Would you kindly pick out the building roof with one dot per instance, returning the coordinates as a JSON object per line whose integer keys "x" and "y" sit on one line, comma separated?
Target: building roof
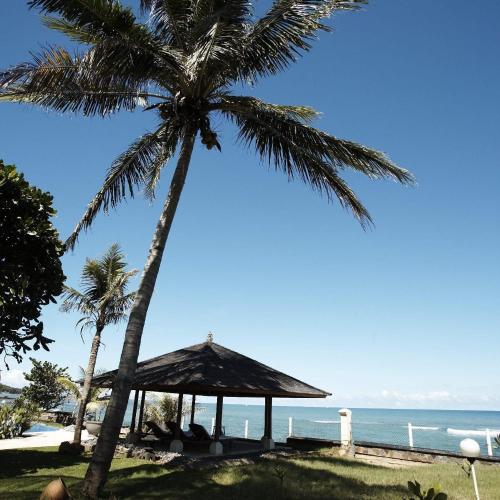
{"x": 210, "y": 369}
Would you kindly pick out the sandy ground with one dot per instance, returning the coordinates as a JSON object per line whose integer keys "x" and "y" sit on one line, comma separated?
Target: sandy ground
{"x": 391, "y": 463}
{"x": 40, "y": 439}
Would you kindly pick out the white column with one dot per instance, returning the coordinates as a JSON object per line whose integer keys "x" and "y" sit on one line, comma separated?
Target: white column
{"x": 246, "y": 429}
{"x": 474, "y": 480}
{"x": 182, "y": 422}
{"x": 410, "y": 434}
{"x": 488, "y": 443}
{"x": 290, "y": 426}
{"x": 345, "y": 428}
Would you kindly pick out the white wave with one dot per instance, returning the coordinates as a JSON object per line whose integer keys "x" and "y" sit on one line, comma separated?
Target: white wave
{"x": 424, "y": 428}
{"x": 326, "y": 421}
{"x": 469, "y": 432}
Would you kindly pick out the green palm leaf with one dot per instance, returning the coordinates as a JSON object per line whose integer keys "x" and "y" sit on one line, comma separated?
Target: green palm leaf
{"x": 138, "y": 165}
{"x": 282, "y": 136}
{"x": 103, "y": 298}
{"x": 284, "y": 32}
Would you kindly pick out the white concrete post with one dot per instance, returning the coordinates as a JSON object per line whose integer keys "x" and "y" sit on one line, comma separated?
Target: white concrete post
{"x": 474, "y": 480}
{"x": 246, "y": 429}
{"x": 410, "y": 434}
{"x": 488, "y": 443}
{"x": 213, "y": 426}
{"x": 290, "y": 426}
{"x": 346, "y": 430}
{"x": 182, "y": 422}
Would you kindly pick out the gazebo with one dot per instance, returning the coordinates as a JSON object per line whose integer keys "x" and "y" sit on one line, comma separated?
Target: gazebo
{"x": 209, "y": 369}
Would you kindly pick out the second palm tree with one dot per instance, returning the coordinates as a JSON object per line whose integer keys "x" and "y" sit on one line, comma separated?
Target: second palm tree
{"x": 103, "y": 301}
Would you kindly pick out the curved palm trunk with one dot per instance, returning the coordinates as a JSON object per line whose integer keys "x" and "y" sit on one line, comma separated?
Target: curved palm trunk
{"x": 101, "y": 460}
{"x": 89, "y": 373}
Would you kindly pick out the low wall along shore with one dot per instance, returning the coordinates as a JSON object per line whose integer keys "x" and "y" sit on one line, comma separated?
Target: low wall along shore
{"x": 401, "y": 453}
{"x": 395, "y": 453}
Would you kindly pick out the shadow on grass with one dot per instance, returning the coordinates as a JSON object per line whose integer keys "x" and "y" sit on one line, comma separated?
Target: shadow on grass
{"x": 24, "y": 473}
{"x": 29, "y": 461}
{"x": 259, "y": 481}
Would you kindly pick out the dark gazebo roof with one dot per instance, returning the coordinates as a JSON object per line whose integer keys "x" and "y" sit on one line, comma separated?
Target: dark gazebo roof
{"x": 210, "y": 369}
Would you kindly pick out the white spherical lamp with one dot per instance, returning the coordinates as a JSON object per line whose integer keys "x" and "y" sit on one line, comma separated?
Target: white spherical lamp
{"x": 470, "y": 448}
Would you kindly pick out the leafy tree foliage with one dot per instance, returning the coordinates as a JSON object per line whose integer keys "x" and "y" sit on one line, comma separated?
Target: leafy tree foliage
{"x": 31, "y": 274}
{"x": 163, "y": 409}
{"x": 17, "y": 418}
{"x": 45, "y": 389}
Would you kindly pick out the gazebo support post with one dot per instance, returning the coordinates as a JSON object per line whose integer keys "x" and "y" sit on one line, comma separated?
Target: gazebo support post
{"x": 193, "y": 404}
{"x": 131, "y": 436}
{"x": 141, "y": 413}
{"x": 216, "y": 445}
{"x": 134, "y": 412}
{"x": 267, "y": 438}
{"x": 176, "y": 445}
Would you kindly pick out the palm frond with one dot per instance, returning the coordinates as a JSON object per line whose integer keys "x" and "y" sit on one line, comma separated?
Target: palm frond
{"x": 117, "y": 310}
{"x": 133, "y": 62}
{"x": 292, "y": 122}
{"x": 282, "y": 137}
{"x": 122, "y": 47}
{"x": 55, "y": 79}
{"x": 106, "y": 16}
{"x": 72, "y": 30}
{"x": 70, "y": 387}
{"x": 169, "y": 140}
{"x": 104, "y": 282}
{"x": 283, "y": 33}
{"x": 127, "y": 173}
{"x": 217, "y": 28}
{"x": 73, "y": 300}
{"x": 170, "y": 19}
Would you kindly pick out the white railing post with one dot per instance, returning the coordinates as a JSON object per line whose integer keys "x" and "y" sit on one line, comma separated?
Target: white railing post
{"x": 246, "y": 429}
{"x": 182, "y": 422}
{"x": 488, "y": 443}
{"x": 346, "y": 443}
{"x": 290, "y": 426}
{"x": 410, "y": 434}
{"x": 213, "y": 426}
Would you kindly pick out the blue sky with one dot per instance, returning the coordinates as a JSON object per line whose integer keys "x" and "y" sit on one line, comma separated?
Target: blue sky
{"x": 403, "y": 315}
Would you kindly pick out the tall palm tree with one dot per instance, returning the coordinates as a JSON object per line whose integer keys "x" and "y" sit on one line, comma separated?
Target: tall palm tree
{"x": 103, "y": 301}
{"x": 184, "y": 64}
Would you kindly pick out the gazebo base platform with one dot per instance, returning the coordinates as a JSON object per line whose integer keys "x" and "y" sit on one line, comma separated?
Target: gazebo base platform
{"x": 162, "y": 453}
{"x": 267, "y": 443}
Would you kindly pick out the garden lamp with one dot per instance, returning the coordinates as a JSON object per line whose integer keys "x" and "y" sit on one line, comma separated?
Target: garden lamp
{"x": 471, "y": 450}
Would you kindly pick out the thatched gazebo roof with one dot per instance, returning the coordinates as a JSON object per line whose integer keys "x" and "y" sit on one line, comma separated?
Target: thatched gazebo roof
{"x": 209, "y": 369}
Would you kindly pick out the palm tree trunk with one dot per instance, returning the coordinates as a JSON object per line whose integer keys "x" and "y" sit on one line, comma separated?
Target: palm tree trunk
{"x": 101, "y": 460}
{"x": 89, "y": 373}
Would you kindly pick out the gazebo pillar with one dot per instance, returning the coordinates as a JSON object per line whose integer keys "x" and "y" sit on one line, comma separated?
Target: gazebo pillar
{"x": 193, "y": 404}
{"x": 216, "y": 445}
{"x": 141, "y": 413}
{"x": 267, "y": 438}
{"x": 132, "y": 437}
{"x": 134, "y": 411}
{"x": 176, "y": 445}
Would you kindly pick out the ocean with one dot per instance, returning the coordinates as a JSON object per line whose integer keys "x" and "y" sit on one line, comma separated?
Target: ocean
{"x": 437, "y": 429}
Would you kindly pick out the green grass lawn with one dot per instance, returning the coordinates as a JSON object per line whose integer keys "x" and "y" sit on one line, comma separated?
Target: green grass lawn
{"x": 24, "y": 473}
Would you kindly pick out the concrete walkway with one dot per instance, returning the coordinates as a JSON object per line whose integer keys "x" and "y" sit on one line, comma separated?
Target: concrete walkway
{"x": 40, "y": 439}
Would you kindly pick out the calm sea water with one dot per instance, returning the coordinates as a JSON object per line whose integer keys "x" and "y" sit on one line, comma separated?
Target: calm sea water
{"x": 438, "y": 429}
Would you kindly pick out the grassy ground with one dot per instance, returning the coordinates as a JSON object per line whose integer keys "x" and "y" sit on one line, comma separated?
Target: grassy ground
{"x": 24, "y": 473}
